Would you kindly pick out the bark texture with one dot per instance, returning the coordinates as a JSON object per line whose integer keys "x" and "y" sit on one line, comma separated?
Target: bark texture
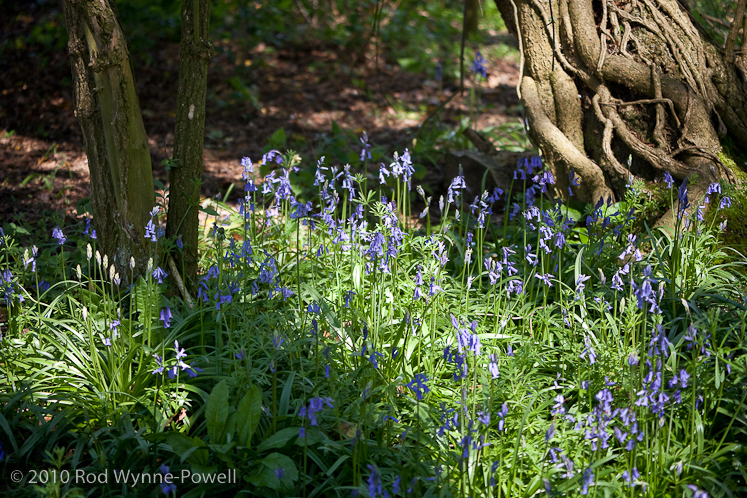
{"x": 185, "y": 176}
{"x": 602, "y": 80}
{"x": 108, "y": 110}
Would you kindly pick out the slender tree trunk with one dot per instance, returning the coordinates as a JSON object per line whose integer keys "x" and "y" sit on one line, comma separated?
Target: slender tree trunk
{"x": 604, "y": 80}
{"x": 185, "y": 176}
{"x": 471, "y": 16}
{"x": 108, "y": 110}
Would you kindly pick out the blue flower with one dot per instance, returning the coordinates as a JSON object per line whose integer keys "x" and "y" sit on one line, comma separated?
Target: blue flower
{"x": 374, "y": 482}
{"x": 57, "y": 234}
{"x": 493, "y": 366}
{"x": 725, "y": 203}
{"x": 478, "y": 65}
{"x": 418, "y": 386}
{"x": 587, "y": 480}
{"x": 166, "y": 317}
{"x": 668, "y": 179}
{"x": 315, "y": 406}
{"x": 159, "y": 274}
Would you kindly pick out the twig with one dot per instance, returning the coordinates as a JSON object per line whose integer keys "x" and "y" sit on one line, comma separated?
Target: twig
{"x": 180, "y": 282}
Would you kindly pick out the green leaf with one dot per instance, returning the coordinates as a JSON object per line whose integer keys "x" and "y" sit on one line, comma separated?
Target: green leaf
{"x": 209, "y": 211}
{"x": 279, "y": 439}
{"x": 247, "y": 419}
{"x": 278, "y": 138}
{"x": 190, "y": 450}
{"x": 265, "y": 474}
{"x": 216, "y": 412}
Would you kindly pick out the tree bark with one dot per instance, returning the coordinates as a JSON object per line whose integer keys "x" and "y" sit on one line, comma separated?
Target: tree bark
{"x": 604, "y": 80}
{"x": 185, "y": 176}
{"x": 108, "y": 110}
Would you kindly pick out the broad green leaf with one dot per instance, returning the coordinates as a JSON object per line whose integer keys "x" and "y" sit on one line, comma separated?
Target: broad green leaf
{"x": 266, "y": 475}
{"x": 279, "y": 439}
{"x": 216, "y": 412}
{"x": 247, "y": 417}
{"x": 190, "y": 450}
{"x": 278, "y": 138}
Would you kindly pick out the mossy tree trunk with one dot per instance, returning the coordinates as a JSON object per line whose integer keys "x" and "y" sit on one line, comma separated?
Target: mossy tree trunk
{"x": 185, "y": 176}
{"x": 604, "y": 80}
{"x": 108, "y": 110}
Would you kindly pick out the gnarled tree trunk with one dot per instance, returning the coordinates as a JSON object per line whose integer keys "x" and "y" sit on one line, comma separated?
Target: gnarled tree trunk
{"x": 108, "y": 110}
{"x": 605, "y": 80}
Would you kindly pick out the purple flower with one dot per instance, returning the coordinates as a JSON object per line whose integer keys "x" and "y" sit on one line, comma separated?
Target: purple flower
{"x": 502, "y": 415}
{"x": 57, "y": 234}
{"x": 418, "y": 385}
{"x": 725, "y": 203}
{"x": 697, "y": 493}
{"x": 158, "y": 370}
{"x": 572, "y": 181}
{"x": 167, "y": 486}
{"x": 166, "y": 317}
{"x": 478, "y": 65}
{"x": 668, "y": 179}
{"x": 374, "y": 483}
{"x": 587, "y": 480}
{"x": 159, "y": 274}
{"x": 545, "y": 278}
{"x": 550, "y": 433}
{"x": 589, "y": 350}
{"x": 493, "y": 366}
{"x": 630, "y": 477}
{"x": 315, "y": 406}
{"x": 279, "y": 473}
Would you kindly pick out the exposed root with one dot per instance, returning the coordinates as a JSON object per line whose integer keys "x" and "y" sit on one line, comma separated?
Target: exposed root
{"x": 550, "y": 138}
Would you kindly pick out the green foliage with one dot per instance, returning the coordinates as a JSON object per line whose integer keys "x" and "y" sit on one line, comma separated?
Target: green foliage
{"x": 418, "y": 363}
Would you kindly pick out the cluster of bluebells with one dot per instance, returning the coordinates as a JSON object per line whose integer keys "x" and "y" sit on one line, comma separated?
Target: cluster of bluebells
{"x": 175, "y": 365}
{"x": 9, "y": 287}
{"x": 315, "y": 405}
{"x": 607, "y": 425}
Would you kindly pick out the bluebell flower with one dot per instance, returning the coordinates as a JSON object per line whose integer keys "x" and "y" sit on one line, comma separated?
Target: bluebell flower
{"x": 587, "y": 481}
{"x": 668, "y": 179}
{"x": 366, "y": 150}
{"x": 588, "y": 350}
{"x": 572, "y": 182}
{"x": 418, "y": 385}
{"x": 697, "y": 492}
{"x": 167, "y": 486}
{"x": 493, "y": 366}
{"x": 478, "y": 65}
{"x": 279, "y": 473}
{"x": 159, "y": 362}
{"x": 550, "y": 433}
{"x": 57, "y": 234}
{"x": 315, "y": 406}
{"x": 166, "y": 317}
{"x": 439, "y": 71}
{"x": 159, "y": 274}
{"x": 374, "y": 482}
{"x": 631, "y": 477}
{"x": 502, "y": 415}
{"x": 545, "y": 278}
{"x": 725, "y": 203}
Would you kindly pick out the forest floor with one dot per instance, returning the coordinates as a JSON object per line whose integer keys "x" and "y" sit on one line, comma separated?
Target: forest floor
{"x": 302, "y": 89}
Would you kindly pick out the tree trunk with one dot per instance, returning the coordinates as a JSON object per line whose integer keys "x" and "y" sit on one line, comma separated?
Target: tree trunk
{"x": 602, "y": 80}
{"x": 471, "y": 16}
{"x": 186, "y": 174}
{"x": 108, "y": 110}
